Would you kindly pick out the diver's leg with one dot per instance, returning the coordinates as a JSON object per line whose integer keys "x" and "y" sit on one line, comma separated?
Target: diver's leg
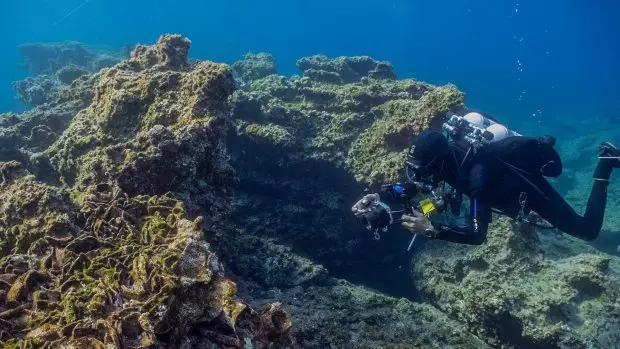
{"x": 556, "y": 210}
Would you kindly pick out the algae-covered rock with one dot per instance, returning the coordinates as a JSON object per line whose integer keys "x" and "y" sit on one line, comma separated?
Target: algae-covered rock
{"x": 54, "y": 66}
{"x": 349, "y": 69}
{"x": 101, "y": 254}
{"x": 310, "y": 144}
{"x": 109, "y": 269}
{"x": 254, "y": 67}
{"x": 37, "y": 129}
{"x": 154, "y": 125}
{"x": 366, "y": 127}
{"x": 339, "y": 314}
{"x": 508, "y": 292}
{"x": 38, "y": 90}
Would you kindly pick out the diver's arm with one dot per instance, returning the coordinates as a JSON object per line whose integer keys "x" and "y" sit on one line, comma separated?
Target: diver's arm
{"x": 475, "y": 233}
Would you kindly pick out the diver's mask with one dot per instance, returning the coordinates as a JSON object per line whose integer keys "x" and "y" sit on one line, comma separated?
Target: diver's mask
{"x": 425, "y": 172}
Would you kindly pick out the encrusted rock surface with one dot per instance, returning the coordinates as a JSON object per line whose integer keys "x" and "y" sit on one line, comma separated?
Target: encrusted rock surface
{"x": 35, "y": 130}
{"x": 347, "y": 69}
{"x": 102, "y": 268}
{"x": 302, "y": 146}
{"x": 113, "y": 240}
{"x": 254, "y": 66}
{"x": 339, "y": 314}
{"x": 96, "y": 247}
{"x": 55, "y": 66}
{"x": 154, "y": 125}
{"x": 508, "y": 291}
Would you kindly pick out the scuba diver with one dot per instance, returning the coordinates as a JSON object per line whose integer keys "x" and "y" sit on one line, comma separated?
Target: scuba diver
{"x": 498, "y": 169}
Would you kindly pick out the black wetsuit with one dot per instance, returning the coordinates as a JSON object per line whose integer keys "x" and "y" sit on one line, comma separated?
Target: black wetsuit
{"x": 490, "y": 184}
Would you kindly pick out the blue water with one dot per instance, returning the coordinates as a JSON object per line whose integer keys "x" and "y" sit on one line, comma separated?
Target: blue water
{"x": 531, "y": 62}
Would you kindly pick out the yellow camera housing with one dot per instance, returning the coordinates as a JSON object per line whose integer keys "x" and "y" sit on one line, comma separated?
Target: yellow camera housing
{"x": 428, "y": 207}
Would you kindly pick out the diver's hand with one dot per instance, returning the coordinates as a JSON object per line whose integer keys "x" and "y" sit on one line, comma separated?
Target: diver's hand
{"x": 364, "y": 204}
{"x": 418, "y": 223}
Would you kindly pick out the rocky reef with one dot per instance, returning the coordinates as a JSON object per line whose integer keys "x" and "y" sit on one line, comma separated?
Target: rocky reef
{"x": 97, "y": 247}
{"x": 158, "y": 203}
{"x": 305, "y": 147}
{"x": 108, "y": 269}
{"x": 508, "y": 291}
{"x": 313, "y": 145}
{"x": 55, "y": 66}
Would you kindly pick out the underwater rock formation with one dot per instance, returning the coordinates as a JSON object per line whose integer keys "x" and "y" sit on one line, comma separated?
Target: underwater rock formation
{"x": 308, "y": 143}
{"x": 365, "y": 126}
{"x": 253, "y": 67}
{"x": 345, "y": 69}
{"x": 300, "y": 149}
{"x": 508, "y": 292}
{"x": 116, "y": 237}
{"x": 101, "y": 268}
{"x": 56, "y": 65}
{"x": 154, "y": 125}
{"x": 35, "y": 130}
{"x": 106, "y": 257}
{"x": 339, "y": 314}
{"x": 49, "y": 58}
{"x": 37, "y": 90}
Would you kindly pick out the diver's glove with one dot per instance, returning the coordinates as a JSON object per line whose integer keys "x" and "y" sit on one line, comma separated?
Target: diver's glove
{"x": 365, "y": 204}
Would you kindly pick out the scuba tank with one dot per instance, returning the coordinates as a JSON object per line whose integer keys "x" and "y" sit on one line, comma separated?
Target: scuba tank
{"x": 476, "y": 129}
{"x": 498, "y": 130}
{"x": 526, "y": 155}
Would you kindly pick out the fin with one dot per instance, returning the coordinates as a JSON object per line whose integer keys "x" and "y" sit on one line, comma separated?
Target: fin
{"x": 610, "y": 152}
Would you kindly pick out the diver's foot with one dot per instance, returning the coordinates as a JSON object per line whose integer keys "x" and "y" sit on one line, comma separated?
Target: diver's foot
{"x": 608, "y": 151}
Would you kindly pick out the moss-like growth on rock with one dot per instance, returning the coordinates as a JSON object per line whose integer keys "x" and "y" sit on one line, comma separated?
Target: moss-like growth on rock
{"x": 366, "y": 124}
{"x": 119, "y": 270}
{"x": 110, "y": 260}
{"x": 508, "y": 292}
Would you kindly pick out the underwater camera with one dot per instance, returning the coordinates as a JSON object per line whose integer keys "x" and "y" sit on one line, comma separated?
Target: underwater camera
{"x": 416, "y": 196}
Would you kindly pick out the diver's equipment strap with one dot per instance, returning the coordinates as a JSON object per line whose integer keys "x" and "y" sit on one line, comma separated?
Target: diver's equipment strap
{"x": 411, "y": 243}
{"x": 522, "y": 201}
